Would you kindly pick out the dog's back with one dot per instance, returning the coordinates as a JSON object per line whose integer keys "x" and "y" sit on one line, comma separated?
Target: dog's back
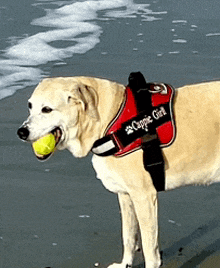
{"x": 194, "y": 158}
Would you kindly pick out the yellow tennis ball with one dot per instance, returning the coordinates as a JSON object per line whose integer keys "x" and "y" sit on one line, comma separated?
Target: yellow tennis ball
{"x": 45, "y": 145}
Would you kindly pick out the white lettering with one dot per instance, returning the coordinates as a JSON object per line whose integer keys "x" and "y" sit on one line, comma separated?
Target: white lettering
{"x": 134, "y": 125}
{"x": 143, "y": 124}
{"x": 158, "y": 113}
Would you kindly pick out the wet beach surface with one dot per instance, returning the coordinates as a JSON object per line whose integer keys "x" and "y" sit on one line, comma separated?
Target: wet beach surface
{"x": 57, "y": 214}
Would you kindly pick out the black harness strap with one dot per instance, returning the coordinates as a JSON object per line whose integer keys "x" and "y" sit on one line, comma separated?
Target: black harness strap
{"x": 152, "y": 153}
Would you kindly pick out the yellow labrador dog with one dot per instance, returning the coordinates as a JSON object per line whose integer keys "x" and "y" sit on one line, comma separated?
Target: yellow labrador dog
{"x": 77, "y": 110}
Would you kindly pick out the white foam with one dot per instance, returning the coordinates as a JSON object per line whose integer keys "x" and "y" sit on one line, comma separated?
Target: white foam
{"x": 84, "y": 216}
{"x": 213, "y": 34}
{"x": 76, "y": 22}
{"x": 174, "y": 52}
{"x": 180, "y": 41}
{"x": 179, "y": 21}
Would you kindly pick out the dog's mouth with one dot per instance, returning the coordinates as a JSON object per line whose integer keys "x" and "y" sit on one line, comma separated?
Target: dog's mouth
{"x": 57, "y": 134}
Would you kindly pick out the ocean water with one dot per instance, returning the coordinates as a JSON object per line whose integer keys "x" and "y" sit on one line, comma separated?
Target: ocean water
{"x": 66, "y": 28}
{"x": 161, "y": 35}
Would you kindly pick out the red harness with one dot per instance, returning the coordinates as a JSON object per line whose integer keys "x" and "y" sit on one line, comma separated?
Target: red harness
{"x": 160, "y": 94}
{"x": 145, "y": 112}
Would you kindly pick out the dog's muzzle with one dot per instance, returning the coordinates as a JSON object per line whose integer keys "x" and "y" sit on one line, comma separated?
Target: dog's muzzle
{"x": 23, "y": 133}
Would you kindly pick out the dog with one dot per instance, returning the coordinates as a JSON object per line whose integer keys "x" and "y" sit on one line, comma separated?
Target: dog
{"x": 77, "y": 110}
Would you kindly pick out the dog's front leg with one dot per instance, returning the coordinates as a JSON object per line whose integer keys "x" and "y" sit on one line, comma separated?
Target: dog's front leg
{"x": 146, "y": 208}
{"x": 129, "y": 231}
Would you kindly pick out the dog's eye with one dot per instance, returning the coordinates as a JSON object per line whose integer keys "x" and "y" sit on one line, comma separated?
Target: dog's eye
{"x": 46, "y": 110}
{"x": 29, "y": 105}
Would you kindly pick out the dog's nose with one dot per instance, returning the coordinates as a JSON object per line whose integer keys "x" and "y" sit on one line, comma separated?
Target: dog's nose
{"x": 23, "y": 133}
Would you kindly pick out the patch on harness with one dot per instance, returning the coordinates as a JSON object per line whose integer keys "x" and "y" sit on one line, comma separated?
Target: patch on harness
{"x": 124, "y": 133}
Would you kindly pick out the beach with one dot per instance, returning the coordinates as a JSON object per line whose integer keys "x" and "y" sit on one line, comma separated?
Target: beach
{"x": 56, "y": 213}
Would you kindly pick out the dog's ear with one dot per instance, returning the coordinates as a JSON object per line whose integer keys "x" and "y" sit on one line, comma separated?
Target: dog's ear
{"x": 88, "y": 99}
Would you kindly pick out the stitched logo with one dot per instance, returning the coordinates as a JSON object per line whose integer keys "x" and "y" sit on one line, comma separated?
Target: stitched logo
{"x": 129, "y": 130}
{"x": 143, "y": 123}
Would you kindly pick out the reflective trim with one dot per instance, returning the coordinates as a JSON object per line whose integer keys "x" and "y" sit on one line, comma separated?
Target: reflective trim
{"x": 103, "y": 148}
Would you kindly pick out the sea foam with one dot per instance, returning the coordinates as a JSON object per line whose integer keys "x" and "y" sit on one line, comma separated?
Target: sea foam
{"x": 76, "y": 22}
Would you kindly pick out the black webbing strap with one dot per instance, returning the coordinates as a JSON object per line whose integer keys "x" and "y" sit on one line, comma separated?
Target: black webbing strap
{"x": 152, "y": 153}
{"x": 154, "y": 163}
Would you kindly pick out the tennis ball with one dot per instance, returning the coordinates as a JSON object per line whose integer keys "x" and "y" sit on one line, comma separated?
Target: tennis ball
{"x": 45, "y": 145}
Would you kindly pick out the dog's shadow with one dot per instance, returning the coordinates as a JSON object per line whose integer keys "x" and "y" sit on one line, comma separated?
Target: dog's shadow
{"x": 179, "y": 254}
{"x": 204, "y": 254}
{"x": 139, "y": 265}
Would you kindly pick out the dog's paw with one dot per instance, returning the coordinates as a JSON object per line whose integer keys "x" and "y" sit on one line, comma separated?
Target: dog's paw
{"x": 119, "y": 265}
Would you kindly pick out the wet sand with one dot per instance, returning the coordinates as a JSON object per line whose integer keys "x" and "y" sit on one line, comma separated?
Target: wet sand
{"x": 57, "y": 214}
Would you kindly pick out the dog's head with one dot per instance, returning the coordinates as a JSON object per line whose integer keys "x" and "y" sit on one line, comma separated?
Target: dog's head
{"x": 66, "y": 108}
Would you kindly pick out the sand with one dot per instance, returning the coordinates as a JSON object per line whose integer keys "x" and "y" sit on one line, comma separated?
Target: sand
{"x": 57, "y": 214}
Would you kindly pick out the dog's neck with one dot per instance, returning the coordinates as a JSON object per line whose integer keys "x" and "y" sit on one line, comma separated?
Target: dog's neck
{"x": 109, "y": 105}
{"x": 110, "y": 96}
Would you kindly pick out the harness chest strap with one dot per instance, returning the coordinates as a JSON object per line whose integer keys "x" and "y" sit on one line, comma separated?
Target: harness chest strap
{"x": 131, "y": 130}
{"x": 124, "y": 133}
